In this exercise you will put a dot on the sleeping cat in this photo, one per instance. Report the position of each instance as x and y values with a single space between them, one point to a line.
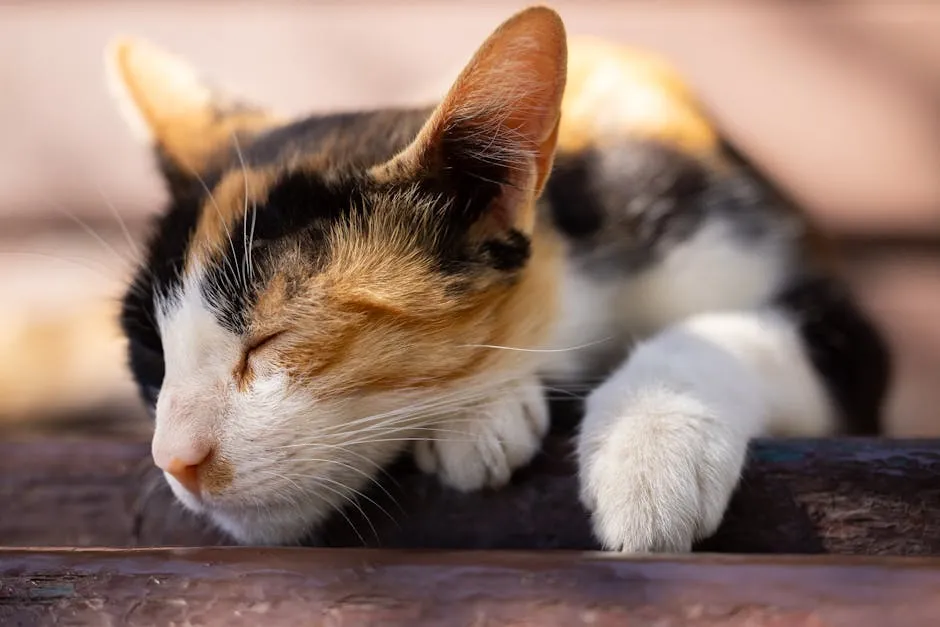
324 294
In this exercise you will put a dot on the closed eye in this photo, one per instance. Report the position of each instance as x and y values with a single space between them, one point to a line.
261 343
243 372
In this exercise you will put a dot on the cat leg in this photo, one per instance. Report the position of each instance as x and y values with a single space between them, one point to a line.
482 445
664 439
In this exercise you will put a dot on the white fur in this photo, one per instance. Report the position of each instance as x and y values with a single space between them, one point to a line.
195 395
482 445
296 458
294 461
199 408
711 270
662 443
664 439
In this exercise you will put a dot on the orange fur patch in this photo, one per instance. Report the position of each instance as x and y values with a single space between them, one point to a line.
232 199
186 118
615 91
377 296
216 474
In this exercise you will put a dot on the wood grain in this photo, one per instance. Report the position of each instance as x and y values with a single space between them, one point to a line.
360 587
867 497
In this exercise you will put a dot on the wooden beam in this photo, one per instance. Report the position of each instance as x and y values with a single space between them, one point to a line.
828 496
381 587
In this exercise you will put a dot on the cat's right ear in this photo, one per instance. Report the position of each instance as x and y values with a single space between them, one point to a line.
492 139
166 102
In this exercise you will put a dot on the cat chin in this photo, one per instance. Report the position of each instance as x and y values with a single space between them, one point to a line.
257 524
272 527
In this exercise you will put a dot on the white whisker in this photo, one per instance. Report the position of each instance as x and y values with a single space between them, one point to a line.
245 250
121 223
537 350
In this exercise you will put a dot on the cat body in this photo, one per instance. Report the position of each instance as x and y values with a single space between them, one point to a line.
328 293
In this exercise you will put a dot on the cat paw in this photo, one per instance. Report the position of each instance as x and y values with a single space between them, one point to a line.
657 469
481 446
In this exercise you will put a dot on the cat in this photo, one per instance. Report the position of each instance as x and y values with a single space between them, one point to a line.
327 293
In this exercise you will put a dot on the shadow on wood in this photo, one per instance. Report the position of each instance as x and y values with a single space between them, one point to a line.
827 496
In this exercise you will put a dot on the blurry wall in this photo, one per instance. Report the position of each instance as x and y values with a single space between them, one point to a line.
839 101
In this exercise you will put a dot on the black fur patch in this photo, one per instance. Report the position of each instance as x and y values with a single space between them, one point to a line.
845 348
575 209
347 141
471 184
301 208
627 205
509 254
158 275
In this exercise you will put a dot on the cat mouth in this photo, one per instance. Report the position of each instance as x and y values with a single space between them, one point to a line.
256 521
230 505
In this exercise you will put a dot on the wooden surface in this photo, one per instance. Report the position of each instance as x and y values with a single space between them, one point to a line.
850 497
356 587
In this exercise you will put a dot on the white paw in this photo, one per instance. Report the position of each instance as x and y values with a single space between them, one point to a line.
481 446
657 468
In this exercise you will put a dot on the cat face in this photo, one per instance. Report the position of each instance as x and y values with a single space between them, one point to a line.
322 292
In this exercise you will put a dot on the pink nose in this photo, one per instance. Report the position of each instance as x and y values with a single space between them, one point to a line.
182 462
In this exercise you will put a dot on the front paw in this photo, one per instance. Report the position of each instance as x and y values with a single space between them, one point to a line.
481 446
657 469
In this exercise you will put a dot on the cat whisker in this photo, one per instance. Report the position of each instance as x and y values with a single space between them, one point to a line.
251 238
152 484
75 261
338 510
325 445
128 264
537 350
387 429
405 417
218 211
377 436
245 244
352 501
470 438
357 493
365 475
560 394
121 223
446 400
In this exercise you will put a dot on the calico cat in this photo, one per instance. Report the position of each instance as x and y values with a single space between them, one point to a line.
326 293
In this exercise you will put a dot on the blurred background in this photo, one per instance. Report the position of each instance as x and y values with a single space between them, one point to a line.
838 101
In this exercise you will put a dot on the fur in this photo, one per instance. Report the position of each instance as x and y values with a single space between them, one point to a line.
328 293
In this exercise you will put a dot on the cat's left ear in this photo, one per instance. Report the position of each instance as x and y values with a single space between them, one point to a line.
167 102
491 141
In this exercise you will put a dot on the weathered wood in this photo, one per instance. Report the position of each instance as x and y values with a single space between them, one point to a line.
362 587
828 496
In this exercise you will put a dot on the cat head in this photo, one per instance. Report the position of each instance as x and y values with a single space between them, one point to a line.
321 291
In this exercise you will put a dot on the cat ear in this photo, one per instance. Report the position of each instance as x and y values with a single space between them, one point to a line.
492 139
167 103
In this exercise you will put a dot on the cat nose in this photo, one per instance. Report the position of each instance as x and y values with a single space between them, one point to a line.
186 474
183 463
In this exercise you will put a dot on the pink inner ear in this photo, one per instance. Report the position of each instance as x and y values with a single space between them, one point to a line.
515 82
510 95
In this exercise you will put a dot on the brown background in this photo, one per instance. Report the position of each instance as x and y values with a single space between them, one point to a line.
840 101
